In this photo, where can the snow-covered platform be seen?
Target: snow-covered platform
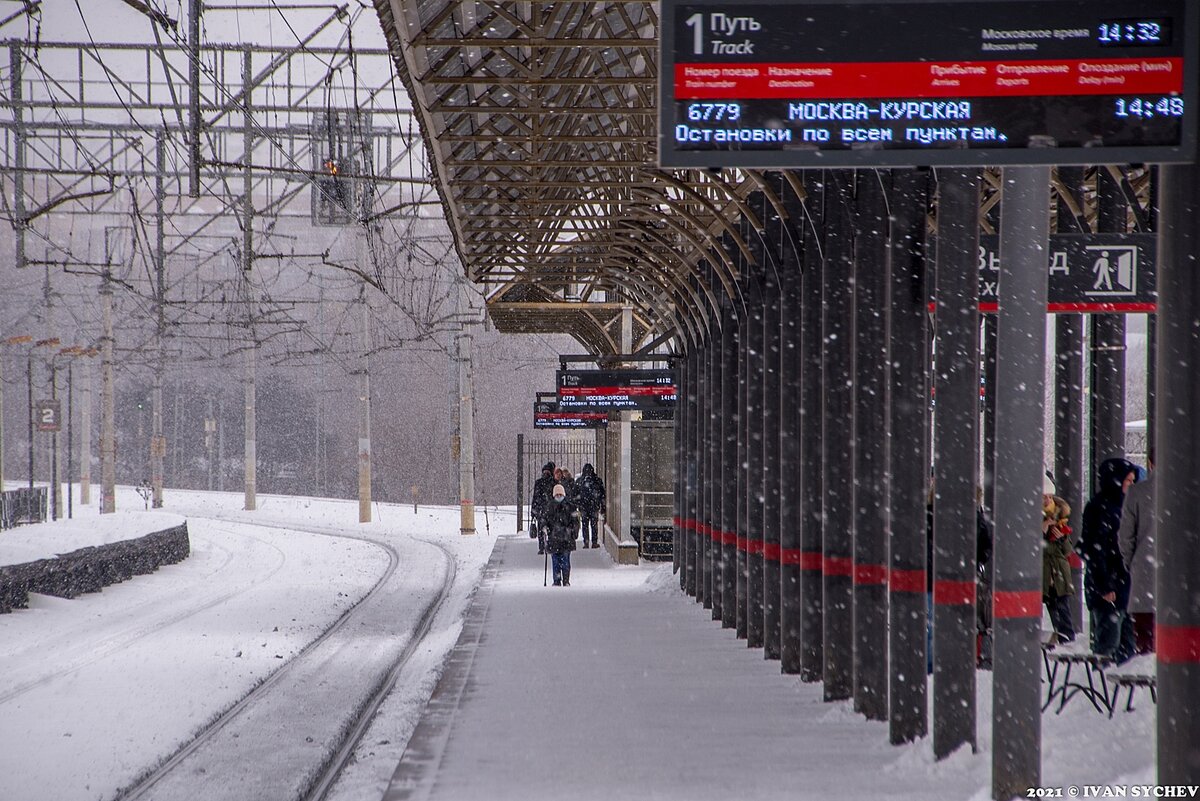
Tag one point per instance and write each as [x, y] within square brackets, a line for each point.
[66, 558]
[619, 686]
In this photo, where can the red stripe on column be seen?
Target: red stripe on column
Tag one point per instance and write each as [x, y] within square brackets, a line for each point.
[729, 538]
[772, 551]
[741, 543]
[1177, 645]
[812, 560]
[838, 566]
[754, 546]
[1008, 605]
[1075, 561]
[870, 574]
[791, 556]
[907, 581]
[953, 593]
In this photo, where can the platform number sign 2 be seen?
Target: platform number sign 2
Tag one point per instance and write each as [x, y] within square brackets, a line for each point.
[48, 414]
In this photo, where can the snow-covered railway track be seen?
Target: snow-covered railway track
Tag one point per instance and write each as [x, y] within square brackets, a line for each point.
[243, 743]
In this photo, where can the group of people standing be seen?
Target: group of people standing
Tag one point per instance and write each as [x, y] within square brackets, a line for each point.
[1116, 544]
[560, 508]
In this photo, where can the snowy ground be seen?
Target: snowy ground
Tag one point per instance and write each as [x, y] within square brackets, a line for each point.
[96, 691]
[617, 687]
[621, 687]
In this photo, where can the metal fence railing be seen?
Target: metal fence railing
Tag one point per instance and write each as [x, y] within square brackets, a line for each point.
[652, 522]
[533, 453]
[21, 506]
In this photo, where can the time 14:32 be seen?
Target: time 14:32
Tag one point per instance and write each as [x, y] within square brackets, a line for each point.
[1149, 107]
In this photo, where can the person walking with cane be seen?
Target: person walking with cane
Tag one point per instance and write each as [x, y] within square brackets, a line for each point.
[561, 519]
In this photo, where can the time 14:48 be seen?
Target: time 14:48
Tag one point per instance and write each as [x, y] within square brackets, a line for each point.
[1149, 107]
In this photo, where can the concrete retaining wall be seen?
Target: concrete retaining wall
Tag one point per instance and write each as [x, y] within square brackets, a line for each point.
[90, 569]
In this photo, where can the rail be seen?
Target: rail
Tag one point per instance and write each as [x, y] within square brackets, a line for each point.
[653, 521]
[22, 506]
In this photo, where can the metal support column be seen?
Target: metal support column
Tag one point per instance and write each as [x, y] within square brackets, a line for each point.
[755, 395]
[988, 457]
[1108, 342]
[956, 461]
[771, 473]
[729, 468]
[1020, 443]
[708, 420]
[695, 537]
[871, 436]
[717, 491]
[689, 565]
[909, 382]
[812, 478]
[744, 501]
[791, 432]
[1177, 474]
[1070, 480]
[839, 446]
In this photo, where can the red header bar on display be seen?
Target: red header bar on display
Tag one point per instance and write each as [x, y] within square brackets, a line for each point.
[584, 392]
[817, 80]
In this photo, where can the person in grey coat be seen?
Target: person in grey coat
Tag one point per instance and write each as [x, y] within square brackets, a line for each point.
[1136, 539]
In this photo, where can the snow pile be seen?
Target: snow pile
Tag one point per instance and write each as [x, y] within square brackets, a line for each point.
[47, 540]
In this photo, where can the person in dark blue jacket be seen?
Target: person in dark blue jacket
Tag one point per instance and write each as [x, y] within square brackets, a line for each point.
[1106, 583]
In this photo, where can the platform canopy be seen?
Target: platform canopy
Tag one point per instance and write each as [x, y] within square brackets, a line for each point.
[540, 123]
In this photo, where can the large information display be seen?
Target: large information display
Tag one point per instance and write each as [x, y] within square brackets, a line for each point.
[615, 390]
[788, 84]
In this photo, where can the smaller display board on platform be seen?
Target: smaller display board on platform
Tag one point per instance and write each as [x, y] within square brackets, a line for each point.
[547, 415]
[615, 390]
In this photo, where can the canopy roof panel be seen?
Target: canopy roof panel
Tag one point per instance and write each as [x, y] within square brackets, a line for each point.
[540, 121]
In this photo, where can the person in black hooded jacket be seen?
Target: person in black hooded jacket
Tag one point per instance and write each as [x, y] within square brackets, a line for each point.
[590, 498]
[1106, 583]
[538, 505]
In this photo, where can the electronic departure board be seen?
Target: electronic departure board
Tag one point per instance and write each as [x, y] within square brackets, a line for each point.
[547, 415]
[789, 84]
[615, 390]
